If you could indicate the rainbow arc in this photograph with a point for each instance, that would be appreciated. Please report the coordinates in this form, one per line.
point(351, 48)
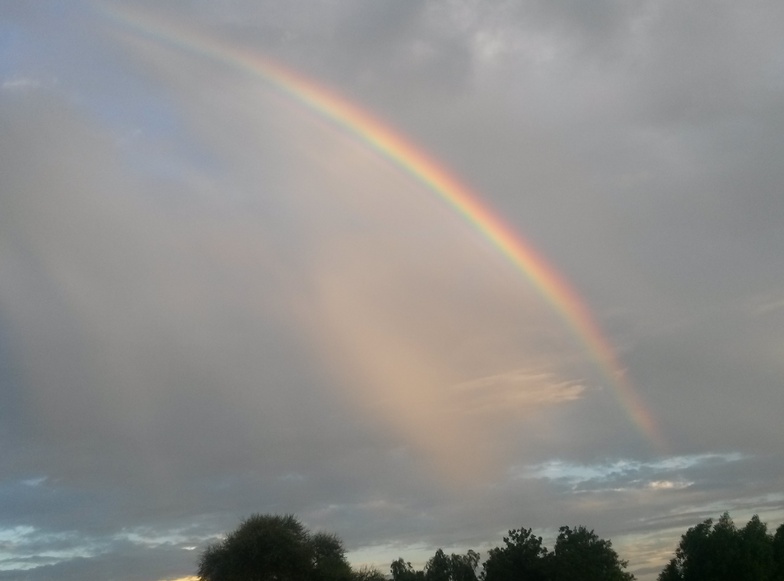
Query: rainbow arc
point(400, 151)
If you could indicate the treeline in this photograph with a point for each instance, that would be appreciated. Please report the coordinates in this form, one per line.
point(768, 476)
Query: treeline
point(280, 548)
point(722, 552)
point(578, 554)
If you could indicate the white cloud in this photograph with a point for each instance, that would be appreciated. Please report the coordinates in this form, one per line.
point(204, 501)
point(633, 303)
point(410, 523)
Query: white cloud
point(668, 484)
point(20, 84)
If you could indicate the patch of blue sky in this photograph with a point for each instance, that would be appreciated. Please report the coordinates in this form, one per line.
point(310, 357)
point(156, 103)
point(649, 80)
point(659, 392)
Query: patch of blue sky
point(22, 498)
point(153, 139)
point(33, 548)
point(98, 78)
point(26, 37)
point(10, 36)
point(16, 495)
point(26, 545)
point(144, 122)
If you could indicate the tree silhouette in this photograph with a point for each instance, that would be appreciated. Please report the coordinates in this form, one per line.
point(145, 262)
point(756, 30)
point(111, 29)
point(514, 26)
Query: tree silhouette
point(455, 567)
point(438, 568)
point(367, 574)
point(522, 557)
point(403, 571)
point(777, 573)
point(279, 548)
point(755, 551)
point(329, 558)
point(581, 554)
point(722, 552)
point(463, 567)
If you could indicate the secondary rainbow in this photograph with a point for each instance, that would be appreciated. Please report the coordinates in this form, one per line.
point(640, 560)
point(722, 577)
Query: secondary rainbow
point(403, 153)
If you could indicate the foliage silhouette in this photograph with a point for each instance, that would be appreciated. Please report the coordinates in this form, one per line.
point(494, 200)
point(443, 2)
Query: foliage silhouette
point(452, 568)
point(367, 574)
point(581, 554)
point(578, 554)
point(721, 552)
point(403, 571)
point(521, 557)
point(269, 547)
point(280, 548)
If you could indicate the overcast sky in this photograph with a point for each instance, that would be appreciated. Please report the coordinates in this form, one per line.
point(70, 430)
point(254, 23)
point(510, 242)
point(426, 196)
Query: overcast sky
point(216, 300)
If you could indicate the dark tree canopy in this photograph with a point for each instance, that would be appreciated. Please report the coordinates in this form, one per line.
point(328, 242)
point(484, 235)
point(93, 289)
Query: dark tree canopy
point(274, 548)
point(721, 552)
point(522, 557)
point(452, 568)
point(438, 568)
point(403, 571)
point(578, 554)
point(581, 554)
point(777, 573)
point(463, 567)
point(329, 558)
point(280, 548)
point(368, 574)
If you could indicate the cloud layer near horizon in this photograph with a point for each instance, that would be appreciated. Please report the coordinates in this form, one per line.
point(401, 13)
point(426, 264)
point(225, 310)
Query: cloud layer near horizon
point(214, 302)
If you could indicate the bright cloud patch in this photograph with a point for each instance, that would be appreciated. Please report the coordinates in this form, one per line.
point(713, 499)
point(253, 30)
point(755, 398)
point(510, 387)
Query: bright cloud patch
point(632, 473)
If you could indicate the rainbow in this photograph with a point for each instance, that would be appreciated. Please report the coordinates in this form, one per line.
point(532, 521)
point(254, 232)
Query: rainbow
point(391, 145)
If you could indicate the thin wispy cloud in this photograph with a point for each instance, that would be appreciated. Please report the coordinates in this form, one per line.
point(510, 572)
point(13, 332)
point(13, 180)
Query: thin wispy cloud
point(634, 472)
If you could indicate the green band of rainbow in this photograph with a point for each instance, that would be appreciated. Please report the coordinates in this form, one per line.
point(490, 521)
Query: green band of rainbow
point(352, 118)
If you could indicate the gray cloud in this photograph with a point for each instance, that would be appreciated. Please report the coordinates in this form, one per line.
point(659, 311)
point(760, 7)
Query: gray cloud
point(214, 302)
